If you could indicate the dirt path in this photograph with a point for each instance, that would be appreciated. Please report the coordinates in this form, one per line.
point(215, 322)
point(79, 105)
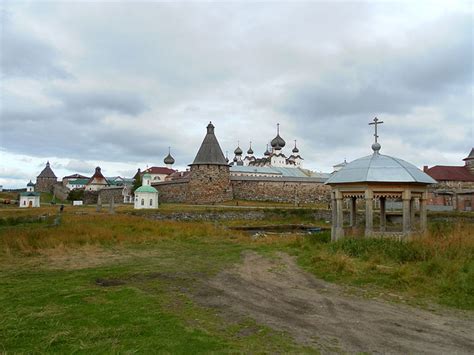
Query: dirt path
point(279, 294)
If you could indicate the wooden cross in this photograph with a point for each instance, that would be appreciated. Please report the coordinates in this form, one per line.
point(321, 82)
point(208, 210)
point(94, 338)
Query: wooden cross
point(375, 123)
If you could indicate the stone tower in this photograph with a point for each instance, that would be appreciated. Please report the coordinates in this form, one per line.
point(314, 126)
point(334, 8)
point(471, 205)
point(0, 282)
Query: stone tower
point(209, 180)
point(46, 180)
point(469, 161)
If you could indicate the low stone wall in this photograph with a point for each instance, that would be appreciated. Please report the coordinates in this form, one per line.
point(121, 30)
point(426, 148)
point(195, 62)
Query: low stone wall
point(90, 197)
point(172, 191)
point(292, 190)
point(108, 193)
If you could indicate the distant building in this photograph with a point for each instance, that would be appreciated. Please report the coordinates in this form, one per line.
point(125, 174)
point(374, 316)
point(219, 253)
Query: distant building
point(158, 173)
point(271, 158)
point(97, 181)
point(455, 187)
point(30, 198)
point(68, 178)
point(46, 180)
point(76, 184)
point(146, 196)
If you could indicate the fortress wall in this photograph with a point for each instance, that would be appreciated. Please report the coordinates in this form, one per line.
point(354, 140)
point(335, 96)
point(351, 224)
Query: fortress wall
point(292, 190)
point(172, 191)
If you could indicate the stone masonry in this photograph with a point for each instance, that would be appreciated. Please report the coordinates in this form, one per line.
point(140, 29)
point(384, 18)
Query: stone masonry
point(209, 184)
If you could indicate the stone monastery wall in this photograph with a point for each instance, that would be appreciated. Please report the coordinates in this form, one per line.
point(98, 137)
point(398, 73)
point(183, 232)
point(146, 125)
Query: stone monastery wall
point(172, 191)
point(280, 189)
point(253, 189)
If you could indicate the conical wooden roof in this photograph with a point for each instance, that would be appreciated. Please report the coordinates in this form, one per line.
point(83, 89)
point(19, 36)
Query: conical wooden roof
point(47, 172)
point(210, 152)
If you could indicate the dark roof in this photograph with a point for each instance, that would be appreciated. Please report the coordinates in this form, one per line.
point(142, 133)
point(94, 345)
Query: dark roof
point(450, 173)
point(210, 152)
point(98, 177)
point(159, 170)
point(30, 184)
point(470, 156)
point(47, 172)
point(76, 176)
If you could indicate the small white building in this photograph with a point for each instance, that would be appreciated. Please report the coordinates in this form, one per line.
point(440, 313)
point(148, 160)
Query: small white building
point(30, 198)
point(146, 196)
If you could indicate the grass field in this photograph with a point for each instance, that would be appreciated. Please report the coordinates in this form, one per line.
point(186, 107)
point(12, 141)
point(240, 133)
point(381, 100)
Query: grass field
point(115, 283)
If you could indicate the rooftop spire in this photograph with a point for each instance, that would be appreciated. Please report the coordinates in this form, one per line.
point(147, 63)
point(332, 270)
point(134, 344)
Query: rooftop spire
point(376, 146)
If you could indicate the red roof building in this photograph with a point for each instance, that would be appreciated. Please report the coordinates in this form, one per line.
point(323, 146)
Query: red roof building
point(450, 173)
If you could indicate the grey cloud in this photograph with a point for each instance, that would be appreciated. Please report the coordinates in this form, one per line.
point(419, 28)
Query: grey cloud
point(27, 55)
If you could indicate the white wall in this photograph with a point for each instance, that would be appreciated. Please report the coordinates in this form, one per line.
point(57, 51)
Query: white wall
point(25, 201)
point(146, 197)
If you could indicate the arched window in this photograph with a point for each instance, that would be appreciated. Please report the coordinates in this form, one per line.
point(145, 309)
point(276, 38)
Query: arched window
point(151, 202)
point(143, 202)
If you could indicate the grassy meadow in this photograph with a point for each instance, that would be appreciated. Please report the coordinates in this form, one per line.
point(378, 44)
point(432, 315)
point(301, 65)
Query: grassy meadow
point(113, 283)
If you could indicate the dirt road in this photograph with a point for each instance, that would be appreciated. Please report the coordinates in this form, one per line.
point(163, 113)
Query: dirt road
point(279, 294)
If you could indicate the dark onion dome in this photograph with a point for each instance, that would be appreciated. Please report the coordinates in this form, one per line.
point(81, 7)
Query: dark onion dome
point(238, 151)
point(295, 150)
point(210, 152)
point(278, 142)
point(30, 184)
point(169, 159)
point(250, 151)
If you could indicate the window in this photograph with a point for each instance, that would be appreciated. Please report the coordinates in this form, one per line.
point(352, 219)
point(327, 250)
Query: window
point(143, 202)
point(151, 202)
point(24, 202)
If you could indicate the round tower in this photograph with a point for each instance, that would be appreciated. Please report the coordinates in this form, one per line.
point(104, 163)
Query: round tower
point(46, 180)
point(209, 180)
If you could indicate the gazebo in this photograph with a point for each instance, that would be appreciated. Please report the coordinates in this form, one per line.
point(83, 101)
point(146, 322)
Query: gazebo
point(378, 177)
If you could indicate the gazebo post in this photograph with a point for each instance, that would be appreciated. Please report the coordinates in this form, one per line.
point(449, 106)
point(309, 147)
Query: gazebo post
point(383, 217)
point(334, 216)
point(412, 213)
point(339, 216)
point(353, 211)
point(406, 197)
point(369, 198)
point(423, 219)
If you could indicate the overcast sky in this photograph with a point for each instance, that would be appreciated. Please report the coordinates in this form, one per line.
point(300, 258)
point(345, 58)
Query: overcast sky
point(115, 83)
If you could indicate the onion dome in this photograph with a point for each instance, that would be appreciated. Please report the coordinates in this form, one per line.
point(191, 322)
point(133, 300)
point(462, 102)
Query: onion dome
point(238, 151)
point(278, 142)
point(30, 184)
point(295, 150)
point(250, 151)
point(267, 152)
point(169, 159)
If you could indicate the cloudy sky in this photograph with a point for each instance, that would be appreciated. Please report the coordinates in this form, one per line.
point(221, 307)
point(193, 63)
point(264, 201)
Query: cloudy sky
point(115, 83)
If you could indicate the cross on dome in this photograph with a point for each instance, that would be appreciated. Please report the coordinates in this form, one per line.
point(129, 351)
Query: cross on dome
point(376, 146)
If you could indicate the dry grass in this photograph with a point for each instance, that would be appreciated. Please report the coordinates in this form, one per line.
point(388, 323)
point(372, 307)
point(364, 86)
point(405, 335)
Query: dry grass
point(104, 230)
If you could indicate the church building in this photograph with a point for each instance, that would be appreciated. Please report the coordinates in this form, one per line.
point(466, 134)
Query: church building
point(274, 158)
point(30, 198)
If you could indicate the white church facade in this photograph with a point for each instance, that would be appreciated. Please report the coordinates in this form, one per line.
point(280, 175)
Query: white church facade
point(30, 198)
point(146, 196)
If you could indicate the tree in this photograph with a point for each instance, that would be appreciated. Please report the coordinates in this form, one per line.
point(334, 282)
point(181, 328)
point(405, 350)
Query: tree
point(137, 182)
